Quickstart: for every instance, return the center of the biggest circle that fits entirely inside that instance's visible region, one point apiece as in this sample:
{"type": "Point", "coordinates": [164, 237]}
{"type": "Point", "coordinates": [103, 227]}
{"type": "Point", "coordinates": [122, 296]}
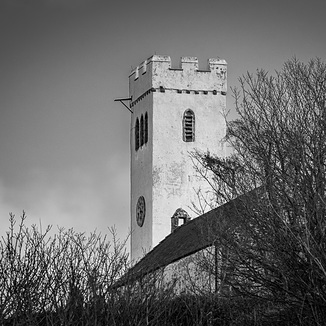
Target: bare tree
{"type": "Point", "coordinates": [64, 279]}
{"type": "Point", "coordinates": [276, 245]}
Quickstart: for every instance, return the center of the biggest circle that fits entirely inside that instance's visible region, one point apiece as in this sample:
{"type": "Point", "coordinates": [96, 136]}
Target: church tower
{"type": "Point", "coordinates": [175, 111]}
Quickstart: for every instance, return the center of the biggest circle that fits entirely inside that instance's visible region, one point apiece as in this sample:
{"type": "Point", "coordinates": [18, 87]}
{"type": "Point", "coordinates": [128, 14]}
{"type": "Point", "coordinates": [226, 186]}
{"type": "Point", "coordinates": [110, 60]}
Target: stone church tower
{"type": "Point", "coordinates": [174, 112]}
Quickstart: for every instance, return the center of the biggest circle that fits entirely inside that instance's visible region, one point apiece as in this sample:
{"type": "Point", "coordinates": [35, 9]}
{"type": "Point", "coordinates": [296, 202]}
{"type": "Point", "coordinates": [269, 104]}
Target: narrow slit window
{"type": "Point", "coordinates": [189, 126]}
{"type": "Point", "coordinates": [137, 134]}
{"type": "Point", "coordinates": [146, 128]}
{"type": "Point", "coordinates": [142, 133]}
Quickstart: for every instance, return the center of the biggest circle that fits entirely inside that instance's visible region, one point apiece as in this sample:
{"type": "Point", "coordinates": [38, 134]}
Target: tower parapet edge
{"type": "Point", "coordinates": [156, 73]}
{"type": "Point", "coordinates": [189, 63]}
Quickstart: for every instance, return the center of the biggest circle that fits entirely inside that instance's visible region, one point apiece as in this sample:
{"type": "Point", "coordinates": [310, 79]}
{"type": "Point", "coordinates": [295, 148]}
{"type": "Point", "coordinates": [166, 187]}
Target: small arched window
{"type": "Point", "coordinates": [146, 128]}
{"type": "Point", "coordinates": [137, 134]}
{"type": "Point", "coordinates": [142, 132]}
{"type": "Point", "coordinates": [189, 126]}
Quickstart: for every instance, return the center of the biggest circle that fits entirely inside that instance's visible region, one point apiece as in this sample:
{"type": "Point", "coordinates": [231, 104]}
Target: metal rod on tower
{"type": "Point", "coordinates": [121, 101]}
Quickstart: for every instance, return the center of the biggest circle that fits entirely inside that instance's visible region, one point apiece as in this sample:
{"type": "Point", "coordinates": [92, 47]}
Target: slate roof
{"type": "Point", "coordinates": [189, 238]}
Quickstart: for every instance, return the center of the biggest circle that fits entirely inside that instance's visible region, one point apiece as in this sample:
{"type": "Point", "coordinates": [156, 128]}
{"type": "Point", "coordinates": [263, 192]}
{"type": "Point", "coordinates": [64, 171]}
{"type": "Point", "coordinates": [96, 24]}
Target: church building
{"type": "Point", "coordinates": [175, 111]}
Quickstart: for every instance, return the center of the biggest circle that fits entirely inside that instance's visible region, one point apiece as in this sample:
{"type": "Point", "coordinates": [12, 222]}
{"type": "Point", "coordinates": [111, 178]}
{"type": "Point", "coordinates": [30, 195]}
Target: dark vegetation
{"type": "Point", "coordinates": [68, 279]}
{"type": "Point", "coordinates": [272, 262]}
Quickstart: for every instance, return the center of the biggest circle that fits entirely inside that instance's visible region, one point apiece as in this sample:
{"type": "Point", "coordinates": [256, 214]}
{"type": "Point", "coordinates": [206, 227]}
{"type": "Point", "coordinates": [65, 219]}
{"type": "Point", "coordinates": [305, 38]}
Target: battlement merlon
{"type": "Point", "coordinates": [156, 72]}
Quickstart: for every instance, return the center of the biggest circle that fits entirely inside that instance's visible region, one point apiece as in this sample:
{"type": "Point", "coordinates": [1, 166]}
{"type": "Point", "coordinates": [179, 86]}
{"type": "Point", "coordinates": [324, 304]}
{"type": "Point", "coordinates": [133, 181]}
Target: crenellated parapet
{"type": "Point", "coordinates": [156, 74]}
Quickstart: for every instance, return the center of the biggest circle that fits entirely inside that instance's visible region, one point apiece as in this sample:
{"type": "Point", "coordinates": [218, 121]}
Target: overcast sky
{"type": "Point", "coordinates": [64, 142]}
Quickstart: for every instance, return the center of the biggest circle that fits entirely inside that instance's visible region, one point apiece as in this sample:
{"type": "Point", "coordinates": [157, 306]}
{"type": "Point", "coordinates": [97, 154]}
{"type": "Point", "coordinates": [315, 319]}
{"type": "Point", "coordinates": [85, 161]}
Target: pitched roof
{"type": "Point", "coordinates": [189, 238]}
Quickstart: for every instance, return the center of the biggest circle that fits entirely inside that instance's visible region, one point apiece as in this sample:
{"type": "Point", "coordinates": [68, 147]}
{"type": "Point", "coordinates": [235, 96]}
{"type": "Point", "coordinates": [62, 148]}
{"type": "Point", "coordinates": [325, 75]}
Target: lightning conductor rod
{"type": "Point", "coordinates": [121, 100]}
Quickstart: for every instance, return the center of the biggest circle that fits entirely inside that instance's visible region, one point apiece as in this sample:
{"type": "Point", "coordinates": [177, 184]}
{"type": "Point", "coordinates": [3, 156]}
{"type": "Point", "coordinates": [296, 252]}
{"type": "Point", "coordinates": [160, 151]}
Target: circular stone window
{"type": "Point", "coordinates": [140, 211]}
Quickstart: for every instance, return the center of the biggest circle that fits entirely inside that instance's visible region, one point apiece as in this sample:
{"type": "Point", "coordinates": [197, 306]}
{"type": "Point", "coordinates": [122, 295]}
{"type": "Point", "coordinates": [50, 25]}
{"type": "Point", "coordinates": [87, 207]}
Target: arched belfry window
{"type": "Point", "coordinates": [137, 134]}
{"type": "Point", "coordinates": [146, 128]}
{"type": "Point", "coordinates": [189, 126]}
{"type": "Point", "coordinates": [142, 132]}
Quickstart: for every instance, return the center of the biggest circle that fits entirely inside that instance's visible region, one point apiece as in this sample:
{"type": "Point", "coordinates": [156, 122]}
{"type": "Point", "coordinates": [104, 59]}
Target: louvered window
{"type": "Point", "coordinates": [142, 133]}
{"type": "Point", "coordinates": [137, 134]}
{"type": "Point", "coordinates": [146, 128]}
{"type": "Point", "coordinates": [189, 126]}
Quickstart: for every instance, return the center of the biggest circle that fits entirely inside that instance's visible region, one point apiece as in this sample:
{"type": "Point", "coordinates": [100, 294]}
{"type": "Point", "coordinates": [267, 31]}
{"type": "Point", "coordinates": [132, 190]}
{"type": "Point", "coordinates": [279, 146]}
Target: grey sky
{"type": "Point", "coordinates": [64, 142]}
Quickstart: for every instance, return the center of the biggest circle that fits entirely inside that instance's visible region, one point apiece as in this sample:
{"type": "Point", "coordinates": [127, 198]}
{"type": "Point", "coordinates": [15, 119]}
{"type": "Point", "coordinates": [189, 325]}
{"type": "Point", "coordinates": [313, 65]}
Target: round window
{"type": "Point", "coordinates": [140, 211]}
